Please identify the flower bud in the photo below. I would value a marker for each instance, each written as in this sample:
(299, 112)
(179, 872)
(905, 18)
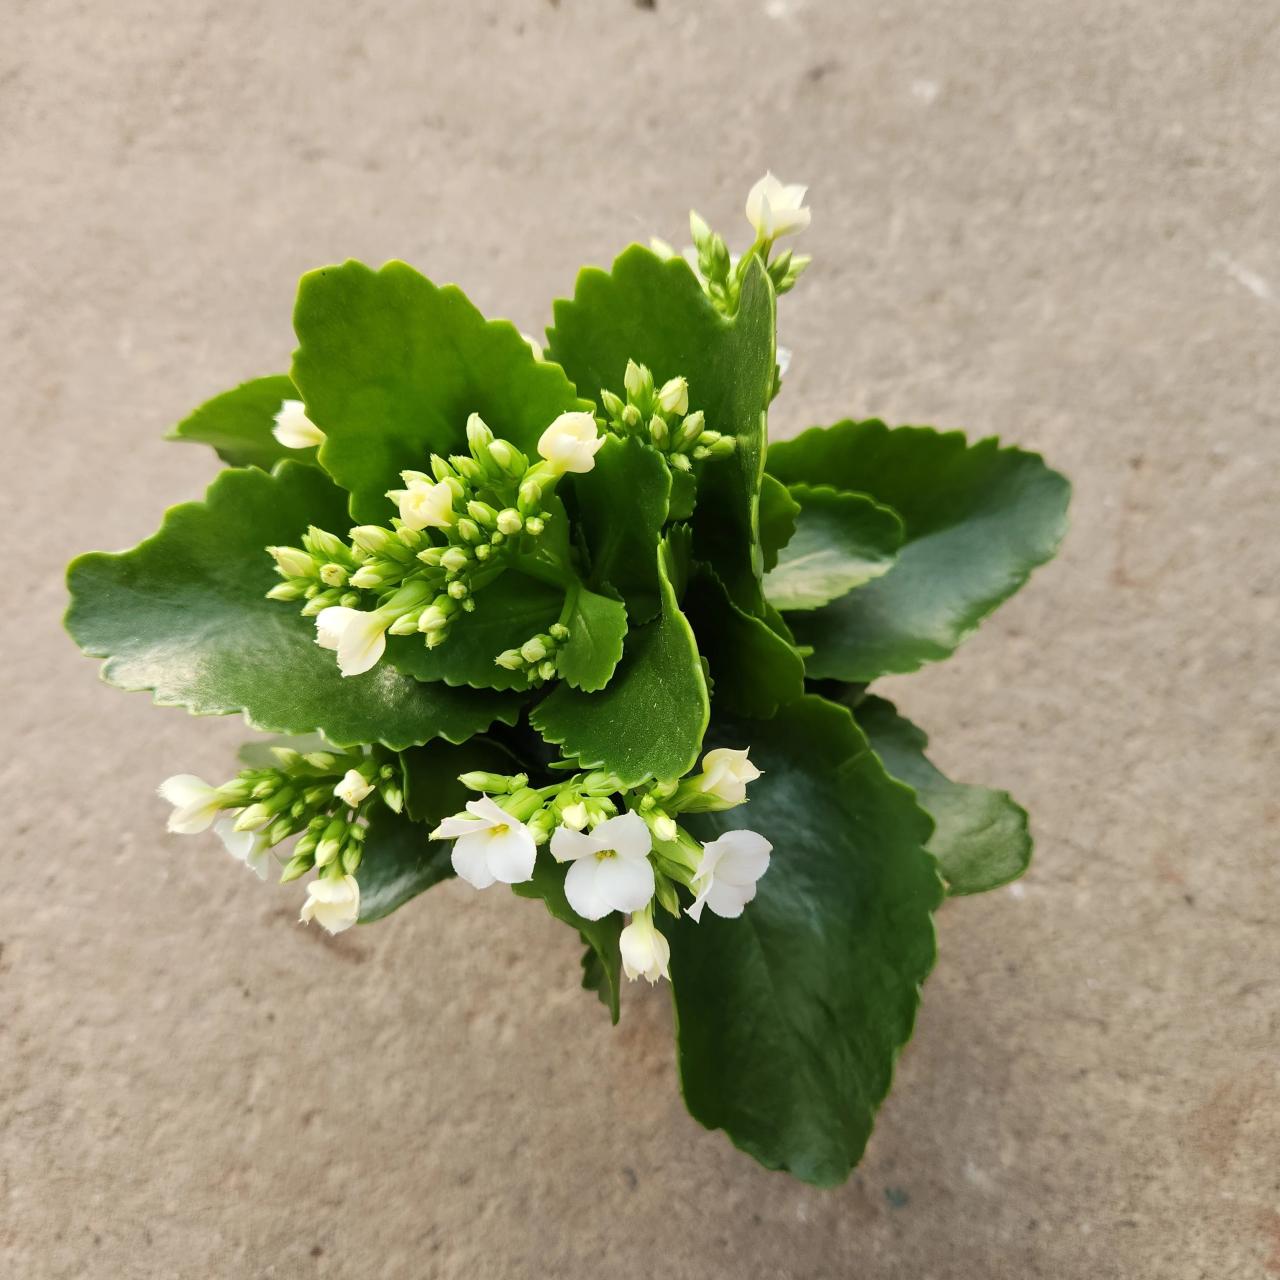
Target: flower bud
(612, 404)
(406, 624)
(688, 431)
(547, 670)
(631, 417)
(455, 559)
(293, 562)
(657, 431)
(510, 660)
(467, 468)
(637, 380)
(297, 866)
(482, 513)
(458, 590)
(558, 632)
(664, 827)
(509, 458)
(326, 545)
(673, 396)
(286, 591)
(510, 521)
(534, 526)
(441, 469)
(333, 575)
(533, 650)
(431, 556)
(574, 815)
(479, 437)
(468, 530)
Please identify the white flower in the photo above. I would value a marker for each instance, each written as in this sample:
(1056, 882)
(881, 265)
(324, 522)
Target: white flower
(570, 443)
(611, 870)
(489, 845)
(360, 638)
(645, 952)
(249, 847)
(294, 429)
(725, 774)
(424, 503)
(195, 803)
(776, 210)
(334, 901)
(353, 788)
(726, 877)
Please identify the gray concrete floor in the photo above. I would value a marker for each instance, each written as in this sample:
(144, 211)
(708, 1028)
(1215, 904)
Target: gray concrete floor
(1053, 221)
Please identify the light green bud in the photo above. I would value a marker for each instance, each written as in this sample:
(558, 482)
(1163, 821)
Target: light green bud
(510, 520)
(331, 842)
(664, 827)
(547, 670)
(698, 229)
(510, 660)
(375, 575)
(482, 513)
(350, 600)
(479, 437)
(281, 829)
(372, 538)
(306, 846)
(406, 624)
(431, 556)
(297, 866)
(492, 783)
(455, 559)
(287, 591)
(673, 396)
(468, 530)
(436, 638)
(325, 545)
(559, 632)
(637, 380)
(256, 815)
(534, 526)
(293, 562)
(666, 894)
(508, 457)
(441, 469)
(574, 815)
(468, 468)
(321, 759)
(530, 496)
(723, 447)
(631, 417)
(657, 431)
(689, 430)
(433, 618)
(681, 462)
(533, 650)
(483, 551)
(392, 796)
(458, 590)
(613, 405)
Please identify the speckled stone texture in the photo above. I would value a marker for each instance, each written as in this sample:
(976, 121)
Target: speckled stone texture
(1052, 221)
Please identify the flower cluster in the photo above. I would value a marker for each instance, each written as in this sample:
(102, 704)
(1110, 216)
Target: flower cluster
(661, 417)
(624, 855)
(264, 807)
(458, 528)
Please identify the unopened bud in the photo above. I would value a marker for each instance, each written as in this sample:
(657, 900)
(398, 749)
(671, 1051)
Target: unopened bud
(547, 670)
(636, 380)
(664, 827)
(510, 521)
(406, 624)
(458, 590)
(612, 404)
(558, 632)
(510, 660)
(534, 526)
(673, 396)
(293, 562)
(482, 513)
(481, 780)
(454, 560)
(371, 538)
(479, 437)
(533, 650)
(510, 459)
(326, 545)
(287, 591)
(574, 815)
(468, 530)
(441, 469)
(297, 866)
(657, 431)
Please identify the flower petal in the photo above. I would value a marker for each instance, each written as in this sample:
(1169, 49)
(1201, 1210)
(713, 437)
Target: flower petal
(745, 859)
(625, 884)
(567, 845)
(512, 854)
(471, 860)
(583, 892)
(628, 835)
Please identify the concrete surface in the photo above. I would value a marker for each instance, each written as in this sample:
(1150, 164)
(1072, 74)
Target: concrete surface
(1056, 221)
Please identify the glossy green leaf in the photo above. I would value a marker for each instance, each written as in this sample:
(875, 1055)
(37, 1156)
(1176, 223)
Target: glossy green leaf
(655, 312)
(597, 628)
(508, 612)
(184, 614)
(391, 366)
(978, 519)
(600, 935)
(754, 670)
(622, 504)
(980, 837)
(238, 424)
(790, 1018)
(842, 540)
(649, 721)
(778, 512)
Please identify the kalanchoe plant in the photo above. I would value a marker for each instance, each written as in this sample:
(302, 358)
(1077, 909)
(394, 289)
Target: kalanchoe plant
(563, 621)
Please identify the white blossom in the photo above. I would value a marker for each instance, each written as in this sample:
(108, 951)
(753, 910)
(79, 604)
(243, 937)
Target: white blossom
(725, 774)
(727, 874)
(353, 788)
(611, 869)
(774, 209)
(359, 637)
(645, 952)
(249, 847)
(334, 901)
(571, 442)
(424, 503)
(294, 429)
(195, 803)
(489, 845)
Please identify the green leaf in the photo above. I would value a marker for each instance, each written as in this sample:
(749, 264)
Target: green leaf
(649, 722)
(508, 612)
(980, 837)
(390, 367)
(597, 627)
(184, 614)
(400, 859)
(842, 541)
(399, 862)
(238, 424)
(790, 1018)
(656, 312)
(754, 670)
(600, 935)
(622, 504)
(978, 519)
(778, 512)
